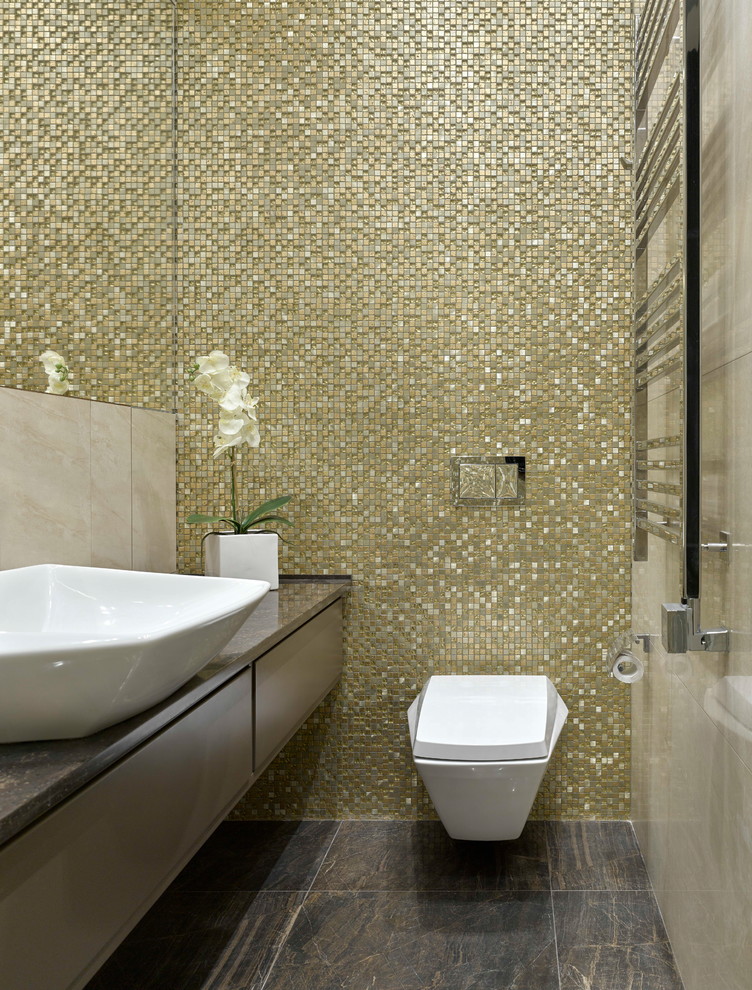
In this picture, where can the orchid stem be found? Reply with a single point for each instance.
(232, 485)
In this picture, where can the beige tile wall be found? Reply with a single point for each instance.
(410, 223)
(85, 483)
(692, 715)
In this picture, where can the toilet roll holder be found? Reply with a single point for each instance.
(621, 662)
(627, 668)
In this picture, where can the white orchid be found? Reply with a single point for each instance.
(234, 430)
(236, 398)
(227, 385)
(56, 385)
(215, 375)
(208, 385)
(213, 363)
(57, 372)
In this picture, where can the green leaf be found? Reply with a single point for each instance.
(275, 503)
(198, 517)
(264, 519)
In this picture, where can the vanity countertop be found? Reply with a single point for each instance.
(34, 777)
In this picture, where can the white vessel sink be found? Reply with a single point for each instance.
(84, 647)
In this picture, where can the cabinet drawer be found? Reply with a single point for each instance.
(74, 883)
(293, 678)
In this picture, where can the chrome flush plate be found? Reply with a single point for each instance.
(487, 480)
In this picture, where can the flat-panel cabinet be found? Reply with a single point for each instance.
(293, 679)
(74, 884)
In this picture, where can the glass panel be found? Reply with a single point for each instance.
(87, 93)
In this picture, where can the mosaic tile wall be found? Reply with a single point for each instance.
(410, 223)
(86, 91)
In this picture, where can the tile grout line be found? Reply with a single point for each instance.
(616, 891)
(323, 858)
(431, 890)
(551, 898)
(556, 940)
(285, 934)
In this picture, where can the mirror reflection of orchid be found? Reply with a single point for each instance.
(238, 426)
(57, 371)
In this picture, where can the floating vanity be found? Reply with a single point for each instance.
(94, 829)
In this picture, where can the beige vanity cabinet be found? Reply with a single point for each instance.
(292, 679)
(74, 883)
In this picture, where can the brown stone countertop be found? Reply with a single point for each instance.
(34, 777)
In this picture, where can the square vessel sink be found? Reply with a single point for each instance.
(84, 647)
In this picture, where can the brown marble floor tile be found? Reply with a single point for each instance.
(612, 940)
(259, 856)
(202, 941)
(595, 856)
(401, 906)
(419, 941)
(420, 856)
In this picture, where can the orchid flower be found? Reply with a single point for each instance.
(227, 385)
(57, 372)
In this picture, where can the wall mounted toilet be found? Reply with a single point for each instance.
(482, 743)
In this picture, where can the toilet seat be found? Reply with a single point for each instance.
(485, 718)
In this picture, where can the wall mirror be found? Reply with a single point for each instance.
(89, 260)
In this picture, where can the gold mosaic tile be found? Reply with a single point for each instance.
(409, 222)
(86, 92)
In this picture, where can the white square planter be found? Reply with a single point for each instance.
(252, 555)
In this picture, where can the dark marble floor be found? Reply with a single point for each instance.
(401, 906)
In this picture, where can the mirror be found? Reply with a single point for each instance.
(89, 229)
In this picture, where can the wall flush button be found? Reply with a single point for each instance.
(506, 481)
(487, 480)
(477, 481)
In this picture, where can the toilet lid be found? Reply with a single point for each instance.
(489, 717)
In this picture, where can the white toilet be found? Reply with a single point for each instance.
(482, 743)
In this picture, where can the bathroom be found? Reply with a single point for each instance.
(413, 226)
